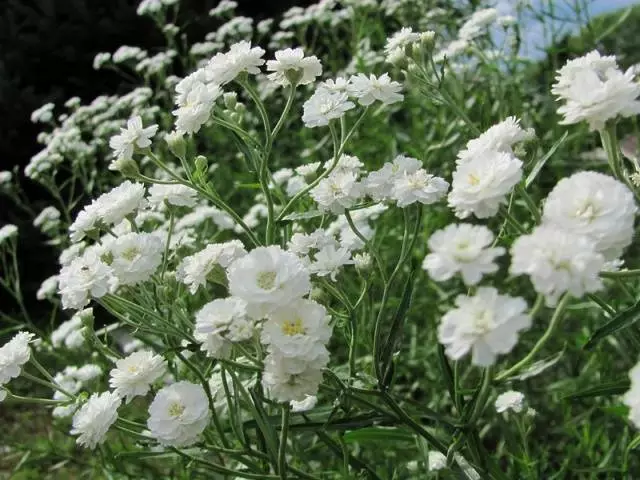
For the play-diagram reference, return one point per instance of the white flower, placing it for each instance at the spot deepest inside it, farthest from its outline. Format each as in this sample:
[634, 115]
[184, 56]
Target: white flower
[308, 170]
[510, 400]
[300, 329]
[337, 191]
[88, 372]
[437, 461]
[85, 276]
[5, 177]
[557, 262]
[291, 66]
[48, 218]
[93, 420]
[480, 185]
[632, 397]
[282, 385]
[194, 269]
[13, 355]
[134, 374]
[69, 333]
[463, 248]
[177, 195]
[126, 52]
[43, 114]
[362, 261]
[135, 257]
[195, 101]
[329, 260]
[369, 89]
[476, 24]
[134, 135]
[224, 67]
[268, 278]
[400, 40]
[302, 243]
[418, 186]
[486, 324]
[48, 288]
[3, 394]
[110, 209]
[594, 205]
[7, 231]
[324, 106]
[500, 137]
[379, 184]
[220, 322]
[595, 90]
[304, 405]
[337, 85]
[179, 414]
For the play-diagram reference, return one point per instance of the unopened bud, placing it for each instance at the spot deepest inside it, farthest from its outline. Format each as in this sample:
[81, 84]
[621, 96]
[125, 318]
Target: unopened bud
[230, 100]
[176, 143]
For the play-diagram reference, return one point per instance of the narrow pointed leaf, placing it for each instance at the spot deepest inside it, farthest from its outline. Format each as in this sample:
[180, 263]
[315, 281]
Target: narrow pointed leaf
[619, 322]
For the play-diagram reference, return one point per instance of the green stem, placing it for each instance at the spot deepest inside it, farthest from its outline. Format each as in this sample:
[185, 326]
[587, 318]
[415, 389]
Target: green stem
[338, 149]
[483, 395]
[555, 321]
[411, 423]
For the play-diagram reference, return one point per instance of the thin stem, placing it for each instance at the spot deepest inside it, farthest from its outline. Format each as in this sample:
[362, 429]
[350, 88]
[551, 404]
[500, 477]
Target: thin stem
[337, 153]
[411, 423]
[555, 321]
[282, 450]
[483, 395]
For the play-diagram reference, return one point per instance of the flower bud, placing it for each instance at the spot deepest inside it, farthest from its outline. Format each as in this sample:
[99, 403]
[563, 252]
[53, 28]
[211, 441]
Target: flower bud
[176, 143]
[230, 100]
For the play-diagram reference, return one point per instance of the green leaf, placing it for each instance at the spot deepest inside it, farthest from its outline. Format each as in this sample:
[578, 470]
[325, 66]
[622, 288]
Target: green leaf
[634, 443]
[603, 390]
[538, 367]
[302, 216]
[396, 330]
[619, 322]
[379, 434]
[540, 163]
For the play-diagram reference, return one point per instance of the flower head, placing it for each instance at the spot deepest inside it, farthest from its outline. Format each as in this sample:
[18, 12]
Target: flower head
[94, 418]
[13, 355]
[134, 374]
[134, 135]
[292, 67]
[510, 400]
[267, 278]
[179, 414]
[595, 90]
[594, 205]
[463, 248]
[486, 324]
[480, 185]
[557, 262]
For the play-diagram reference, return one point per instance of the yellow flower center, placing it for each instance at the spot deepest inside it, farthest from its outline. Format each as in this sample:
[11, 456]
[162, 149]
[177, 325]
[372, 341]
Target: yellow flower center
[473, 179]
[176, 409]
[130, 254]
[293, 327]
[266, 280]
[588, 211]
